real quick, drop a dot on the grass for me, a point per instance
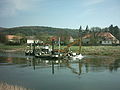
(5, 86)
(87, 50)
(98, 50)
(12, 47)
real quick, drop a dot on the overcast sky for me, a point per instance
(59, 13)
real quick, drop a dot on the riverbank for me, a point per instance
(5, 86)
(12, 48)
(99, 50)
(86, 50)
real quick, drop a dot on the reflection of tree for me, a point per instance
(115, 65)
(12, 60)
(38, 63)
(86, 66)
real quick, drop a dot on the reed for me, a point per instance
(5, 86)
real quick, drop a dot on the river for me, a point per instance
(89, 73)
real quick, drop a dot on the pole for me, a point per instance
(34, 48)
(80, 39)
(52, 46)
(59, 45)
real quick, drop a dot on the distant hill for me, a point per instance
(1, 29)
(37, 30)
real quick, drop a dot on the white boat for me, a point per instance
(77, 57)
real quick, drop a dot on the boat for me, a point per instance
(77, 57)
(29, 52)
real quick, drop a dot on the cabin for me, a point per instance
(63, 40)
(32, 39)
(13, 39)
(102, 38)
(71, 39)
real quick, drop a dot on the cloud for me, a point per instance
(92, 2)
(11, 7)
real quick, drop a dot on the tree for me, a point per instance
(2, 38)
(111, 30)
(115, 31)
(23, 39)
(87, 29)
(94, 37)
(64, 35)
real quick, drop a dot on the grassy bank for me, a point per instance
(87, 50)
(12, 47)
(5, 86)
(99, 50)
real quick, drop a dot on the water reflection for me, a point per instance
(76, 67)
(85, 65)
(55, 63)
(114, 65)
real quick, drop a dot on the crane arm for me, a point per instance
(68, 46)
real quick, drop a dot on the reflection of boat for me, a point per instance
(56, 55)
(76, 68)
(42, 56)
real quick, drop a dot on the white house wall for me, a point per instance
(106, 42)
(30, 41)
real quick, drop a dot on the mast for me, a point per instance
(80, 39)
(59, 45)
(52, 46)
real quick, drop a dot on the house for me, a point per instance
(32, 39)
(86, 40)
(102, 38)
(107, 38)
(13, 39)
(71, 39)
(63, 39)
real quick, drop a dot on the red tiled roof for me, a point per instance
(101, 34)
(13, 36)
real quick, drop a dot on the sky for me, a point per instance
(59, 13)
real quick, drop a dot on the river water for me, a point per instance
(89, 73)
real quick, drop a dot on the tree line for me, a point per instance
(43, 33)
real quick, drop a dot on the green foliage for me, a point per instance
(115, 31)
(36, 30)
(43, 33)
(2, 38)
